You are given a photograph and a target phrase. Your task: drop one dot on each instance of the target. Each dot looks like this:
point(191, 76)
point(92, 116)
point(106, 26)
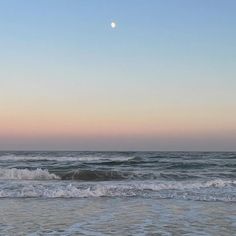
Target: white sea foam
point(217, 183)
point(210, 190)
point(85, 158)
point(25, 174)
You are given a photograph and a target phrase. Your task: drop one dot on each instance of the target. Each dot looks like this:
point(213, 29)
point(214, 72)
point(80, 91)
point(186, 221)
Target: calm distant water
point(117, 193)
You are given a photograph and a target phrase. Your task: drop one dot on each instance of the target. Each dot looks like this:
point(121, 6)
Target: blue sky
point(165, 75)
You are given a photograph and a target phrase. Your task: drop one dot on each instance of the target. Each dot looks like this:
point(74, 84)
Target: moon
point(113, 25)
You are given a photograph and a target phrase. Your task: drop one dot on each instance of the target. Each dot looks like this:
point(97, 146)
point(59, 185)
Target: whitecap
point(26, 174)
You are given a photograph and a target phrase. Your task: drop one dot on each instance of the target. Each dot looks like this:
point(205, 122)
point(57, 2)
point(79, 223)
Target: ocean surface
point(117, 193)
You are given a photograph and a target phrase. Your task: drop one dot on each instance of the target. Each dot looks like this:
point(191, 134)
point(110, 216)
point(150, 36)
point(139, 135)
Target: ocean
point(117, 193)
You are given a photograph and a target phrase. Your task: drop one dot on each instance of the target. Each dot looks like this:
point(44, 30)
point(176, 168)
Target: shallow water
point(117, 193)
point(117, 216)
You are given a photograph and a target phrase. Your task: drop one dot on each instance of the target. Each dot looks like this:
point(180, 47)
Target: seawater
point(117, 193)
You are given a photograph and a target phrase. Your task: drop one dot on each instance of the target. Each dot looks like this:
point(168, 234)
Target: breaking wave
point(213, 190)
point(90, 175)
point(85, 158)
point(112, 174)
point(25, 174)
point(77, 175)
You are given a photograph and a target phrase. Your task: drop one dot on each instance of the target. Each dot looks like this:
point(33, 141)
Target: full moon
point(113, 25)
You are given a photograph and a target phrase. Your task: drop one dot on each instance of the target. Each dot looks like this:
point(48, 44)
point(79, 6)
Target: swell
point(79, 175)
point(112, 175)
point(94, 175)
point(190, 165)
point(98, 175)
point(104, 175)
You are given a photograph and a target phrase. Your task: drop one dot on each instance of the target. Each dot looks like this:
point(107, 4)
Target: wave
point(109, 175)
point(77, 175)
point(217, 183)
point(212, 190)
point(189, 165)
point(25, 174)
point(103, 175)
point(92, 175)
point(66, 158)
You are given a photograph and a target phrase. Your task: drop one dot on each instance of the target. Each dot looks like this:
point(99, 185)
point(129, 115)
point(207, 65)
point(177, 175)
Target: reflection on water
point(116, 216)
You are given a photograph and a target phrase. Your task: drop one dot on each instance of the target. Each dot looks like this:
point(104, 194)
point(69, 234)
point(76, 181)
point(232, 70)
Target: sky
point(163, 79)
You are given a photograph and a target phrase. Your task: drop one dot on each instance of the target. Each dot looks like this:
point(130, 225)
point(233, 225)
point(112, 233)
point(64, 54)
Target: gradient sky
point(164, 79)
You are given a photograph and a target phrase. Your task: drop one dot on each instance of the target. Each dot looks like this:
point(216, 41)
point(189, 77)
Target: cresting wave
point(88, 175)
point(79, 175)
point(108, 174)
point(85, 158)
point(25, 174)
point(82, 175)
point(216, 190)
